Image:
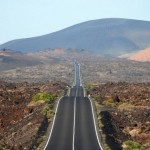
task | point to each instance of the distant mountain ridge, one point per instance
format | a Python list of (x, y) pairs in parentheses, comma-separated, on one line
[(104, 36)]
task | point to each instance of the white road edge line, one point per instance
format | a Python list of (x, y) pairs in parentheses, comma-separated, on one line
[(53, 123), (95, 125), (74, 123)]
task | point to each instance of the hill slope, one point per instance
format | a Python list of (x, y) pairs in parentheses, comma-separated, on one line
[(104, 36), (143, 55), (10, 60)]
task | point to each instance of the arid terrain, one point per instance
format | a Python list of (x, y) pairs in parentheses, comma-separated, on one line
[(143, 55), (23, 121), (105, 69), (123, 110), (120, 88), (58, 65)]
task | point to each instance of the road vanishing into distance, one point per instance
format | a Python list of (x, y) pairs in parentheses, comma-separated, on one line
[(74, 126)]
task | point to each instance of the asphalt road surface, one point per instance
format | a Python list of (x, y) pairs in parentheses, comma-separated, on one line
[(73, 127)]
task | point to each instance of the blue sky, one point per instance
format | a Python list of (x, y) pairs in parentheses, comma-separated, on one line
[(29, 18)]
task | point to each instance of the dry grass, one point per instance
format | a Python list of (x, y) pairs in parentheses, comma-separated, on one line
[(126, 107)]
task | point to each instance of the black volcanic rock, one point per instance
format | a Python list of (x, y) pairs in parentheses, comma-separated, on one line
[(104, 36)]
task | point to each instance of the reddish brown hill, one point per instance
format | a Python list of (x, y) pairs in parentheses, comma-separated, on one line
[(143, 55), (11, 60)]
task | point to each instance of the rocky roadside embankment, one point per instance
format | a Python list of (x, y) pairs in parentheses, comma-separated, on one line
[(22, 120), (124, 114)]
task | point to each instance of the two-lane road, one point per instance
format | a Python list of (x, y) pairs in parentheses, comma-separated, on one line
[(74, 125)]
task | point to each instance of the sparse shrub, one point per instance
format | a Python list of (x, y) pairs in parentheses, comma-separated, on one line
[(42, 96), (88, 86), (100, 125), (126, 106), (1, 147), (97, 106), (40, 140), (131, 145), (109, 103), (50, 114), (47, 111), (107, 147), (97, 98), (48, 100)]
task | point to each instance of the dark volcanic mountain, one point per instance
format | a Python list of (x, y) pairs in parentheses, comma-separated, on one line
[(104, 36)]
